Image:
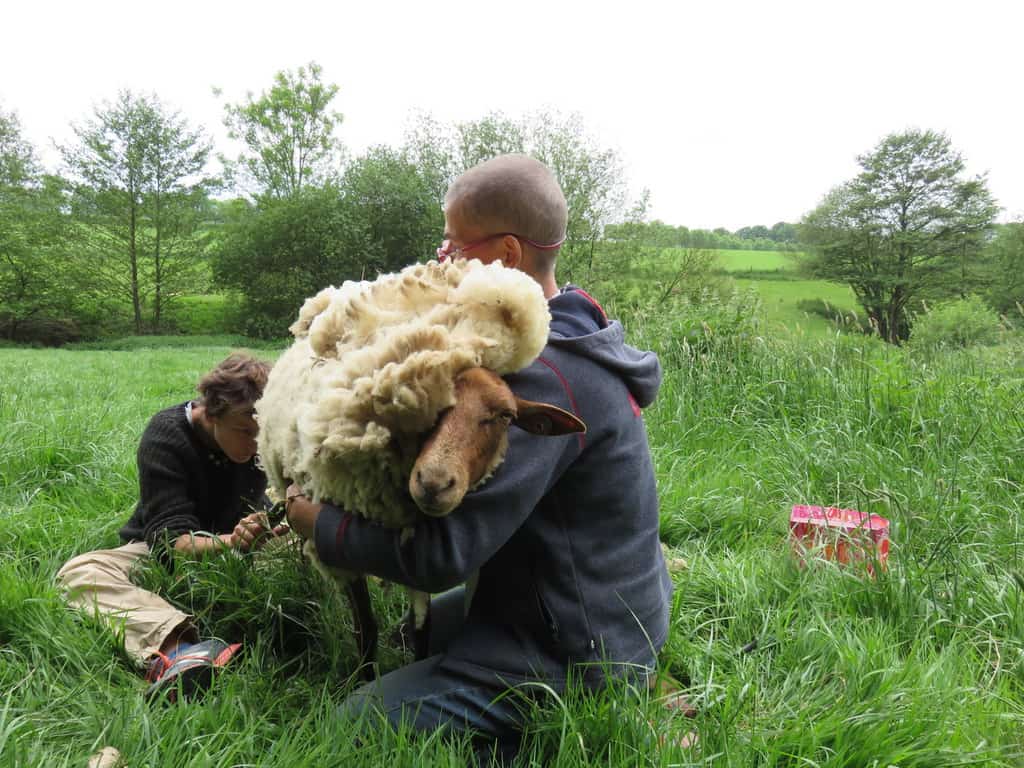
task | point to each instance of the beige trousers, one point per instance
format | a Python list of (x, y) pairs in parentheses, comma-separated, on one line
[(101, 581)]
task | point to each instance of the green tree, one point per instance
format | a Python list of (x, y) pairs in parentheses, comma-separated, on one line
[(382, 215), (37, 298), (490, 136), (288, 134), (283, 250), (1004, 269), (18, 164), (783, 232), (753, 233), (593, 181), (592, 177), (397, 204), (907, 228), (139, 195), (176, 206), (653, 253)]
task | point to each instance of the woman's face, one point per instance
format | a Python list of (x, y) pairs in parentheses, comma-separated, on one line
[(235, 433)]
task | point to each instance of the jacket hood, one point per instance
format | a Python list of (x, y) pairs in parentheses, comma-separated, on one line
[(580, 325)]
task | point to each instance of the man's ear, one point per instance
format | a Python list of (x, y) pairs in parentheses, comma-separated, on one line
[(545, 420), (511, 252)]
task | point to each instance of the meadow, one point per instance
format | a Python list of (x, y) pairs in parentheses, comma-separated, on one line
[(755, 261), (791, 303), (921, 664)]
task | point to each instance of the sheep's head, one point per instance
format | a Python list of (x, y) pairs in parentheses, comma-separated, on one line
[(469, 440)]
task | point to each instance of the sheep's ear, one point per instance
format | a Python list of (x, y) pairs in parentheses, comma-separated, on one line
[(546, 420)]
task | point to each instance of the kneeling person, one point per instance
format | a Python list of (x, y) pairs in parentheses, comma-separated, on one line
[(200, 493)]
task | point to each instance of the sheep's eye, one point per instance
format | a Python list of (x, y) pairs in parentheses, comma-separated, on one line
[(504, 416)]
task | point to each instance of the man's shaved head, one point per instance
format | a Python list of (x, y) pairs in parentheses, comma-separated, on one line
[(511, 193)]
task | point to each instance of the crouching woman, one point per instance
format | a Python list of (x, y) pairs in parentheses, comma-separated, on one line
[(200, 493)]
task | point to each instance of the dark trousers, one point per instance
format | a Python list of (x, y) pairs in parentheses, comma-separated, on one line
[(442, 692)]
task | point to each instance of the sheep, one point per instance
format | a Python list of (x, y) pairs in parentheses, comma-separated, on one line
[(347, 408)]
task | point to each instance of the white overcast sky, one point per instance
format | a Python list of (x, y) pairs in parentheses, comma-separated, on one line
[(731, 113)]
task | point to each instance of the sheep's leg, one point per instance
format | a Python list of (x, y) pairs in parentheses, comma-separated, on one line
[(418, 621), (365, 625), (421, 637), (415, 633)]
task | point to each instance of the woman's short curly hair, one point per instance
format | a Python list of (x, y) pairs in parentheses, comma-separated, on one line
[(234, 385)]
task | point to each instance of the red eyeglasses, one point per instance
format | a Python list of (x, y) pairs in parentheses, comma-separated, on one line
[(450, 251)]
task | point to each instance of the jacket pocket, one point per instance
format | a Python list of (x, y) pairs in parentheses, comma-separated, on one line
[(546, 615)]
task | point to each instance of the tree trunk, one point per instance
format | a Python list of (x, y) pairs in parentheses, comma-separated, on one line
[(157, 271), (134, 262)]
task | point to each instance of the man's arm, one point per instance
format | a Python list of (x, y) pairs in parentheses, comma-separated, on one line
[(443, 552)]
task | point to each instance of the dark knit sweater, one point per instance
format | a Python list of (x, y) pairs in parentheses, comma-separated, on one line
[(187, 486)]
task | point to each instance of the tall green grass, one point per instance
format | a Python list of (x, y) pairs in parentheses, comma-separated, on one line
[(922, 665)]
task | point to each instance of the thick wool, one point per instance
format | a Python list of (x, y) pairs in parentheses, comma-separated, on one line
[(372, 366)]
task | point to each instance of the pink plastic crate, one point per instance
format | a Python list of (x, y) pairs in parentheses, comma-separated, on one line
[(844, 535)]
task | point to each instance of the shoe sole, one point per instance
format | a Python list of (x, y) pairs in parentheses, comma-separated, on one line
[(183, 686)]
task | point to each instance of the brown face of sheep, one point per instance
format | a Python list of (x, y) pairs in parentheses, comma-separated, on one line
[(469, 440)]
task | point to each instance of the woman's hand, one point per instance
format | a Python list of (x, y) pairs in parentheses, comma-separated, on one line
[(253, 531)]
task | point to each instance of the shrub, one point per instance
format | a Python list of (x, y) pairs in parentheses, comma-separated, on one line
[(956, 324), (678, 328), (40, 331)]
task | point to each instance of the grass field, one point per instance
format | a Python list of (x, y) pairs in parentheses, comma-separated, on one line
[(781, 301), (773, 275), (922, 665), (760, 261)]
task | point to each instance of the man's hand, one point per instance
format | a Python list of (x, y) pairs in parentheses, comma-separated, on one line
[(253, 531), (300, 512)]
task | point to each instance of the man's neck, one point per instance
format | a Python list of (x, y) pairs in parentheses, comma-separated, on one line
[(550, 288), (547, 283)]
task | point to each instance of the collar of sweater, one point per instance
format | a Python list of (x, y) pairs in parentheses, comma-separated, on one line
[(206, 439)]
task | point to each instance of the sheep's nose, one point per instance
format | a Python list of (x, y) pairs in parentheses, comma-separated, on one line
[(433, 486)]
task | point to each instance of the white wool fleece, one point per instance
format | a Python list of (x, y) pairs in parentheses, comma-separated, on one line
[(372, 366)]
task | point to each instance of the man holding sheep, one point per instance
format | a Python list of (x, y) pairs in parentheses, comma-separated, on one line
[(564, 536)]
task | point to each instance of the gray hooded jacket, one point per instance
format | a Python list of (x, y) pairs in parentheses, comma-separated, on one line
[(564, 535)]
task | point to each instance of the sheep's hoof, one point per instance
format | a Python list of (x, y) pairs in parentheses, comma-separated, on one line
[(367, 671), (408, 637), (402, 635)]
